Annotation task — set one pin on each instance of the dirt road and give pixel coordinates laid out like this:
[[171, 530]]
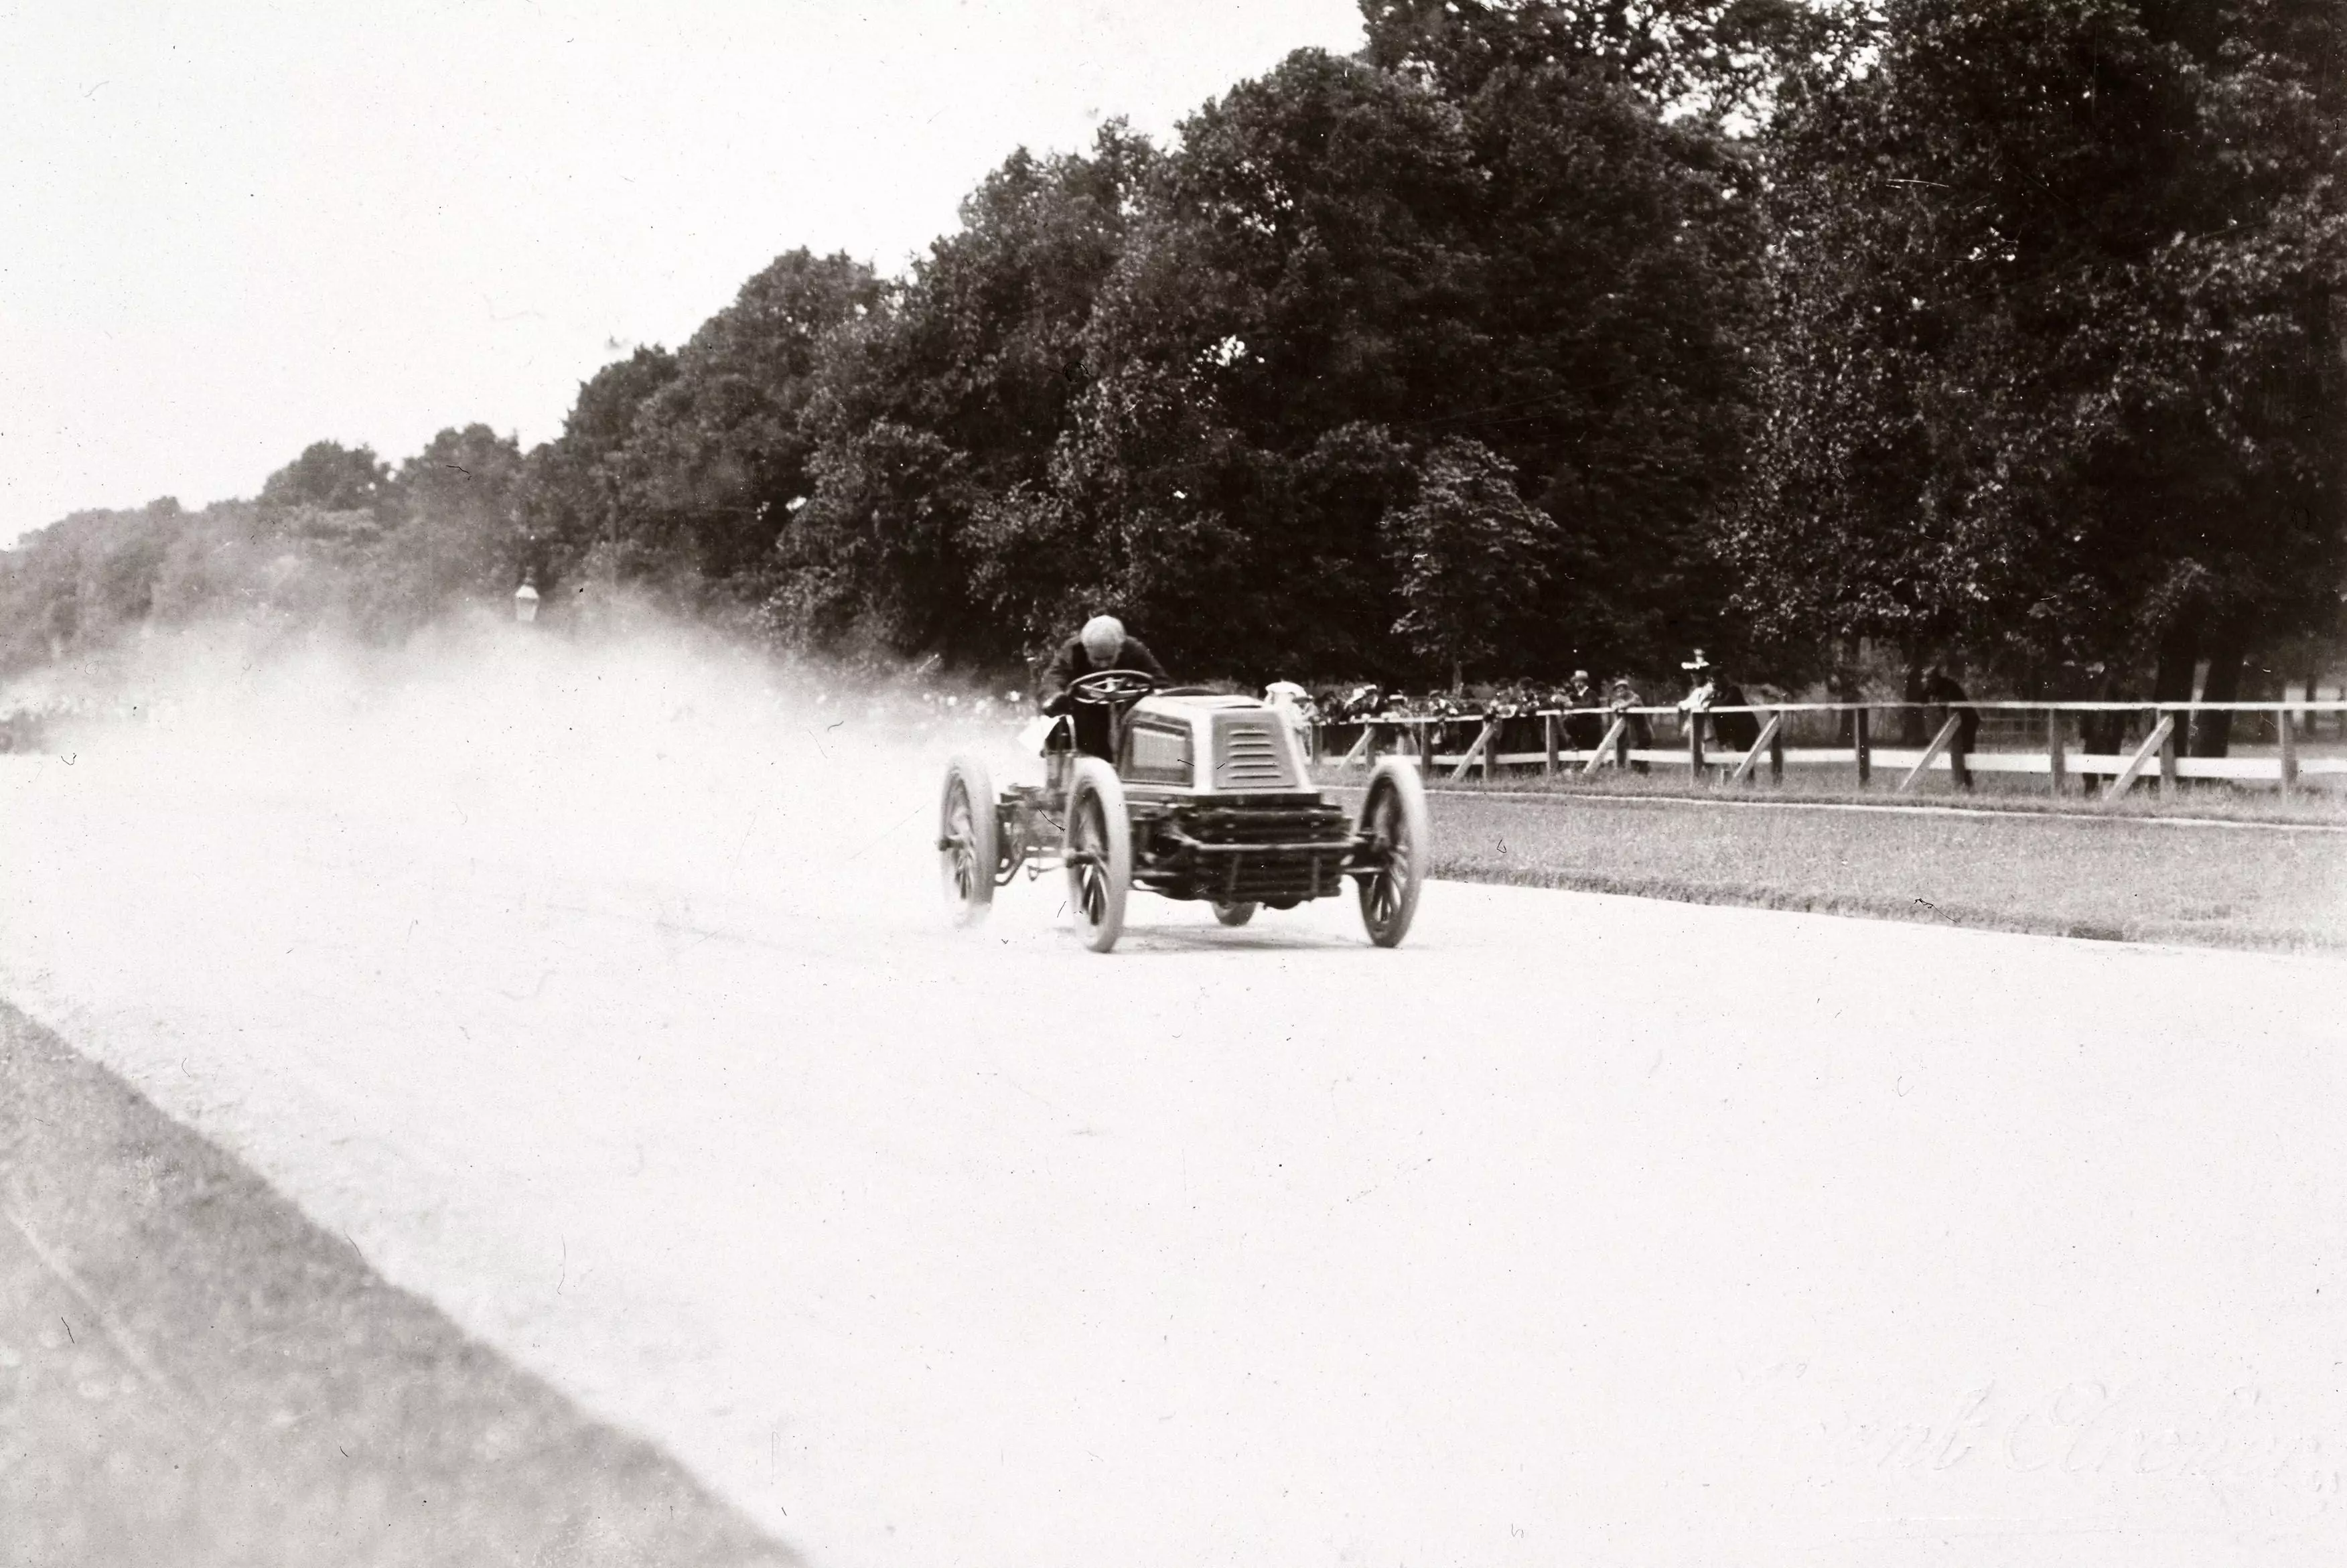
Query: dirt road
[[1580, 1229]]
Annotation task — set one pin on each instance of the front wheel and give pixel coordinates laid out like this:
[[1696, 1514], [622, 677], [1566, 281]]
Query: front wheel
[[1394, 821], [969, 841], [1099, 853], [1235, 912]]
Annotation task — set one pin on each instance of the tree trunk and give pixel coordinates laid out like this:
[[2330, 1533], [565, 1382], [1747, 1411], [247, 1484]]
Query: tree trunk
[[1911, 717], [2213, 733], [2179, 655], [1842, 685]]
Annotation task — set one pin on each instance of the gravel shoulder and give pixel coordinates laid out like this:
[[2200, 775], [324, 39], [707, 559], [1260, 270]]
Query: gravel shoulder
[[192, 1373]]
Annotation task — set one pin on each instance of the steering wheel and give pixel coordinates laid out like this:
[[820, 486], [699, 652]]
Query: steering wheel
[[1112, 688]]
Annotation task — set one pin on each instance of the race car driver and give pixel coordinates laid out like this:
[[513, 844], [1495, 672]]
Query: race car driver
[[1102, 644]]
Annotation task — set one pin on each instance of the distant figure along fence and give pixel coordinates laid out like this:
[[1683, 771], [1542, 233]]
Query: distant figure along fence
[[2106, 747]]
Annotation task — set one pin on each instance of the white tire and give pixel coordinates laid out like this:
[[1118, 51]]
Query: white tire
[[1393, 813], [969, 841], [1098, 853]]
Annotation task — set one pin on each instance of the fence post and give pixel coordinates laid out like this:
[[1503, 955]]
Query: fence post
[[1616, 740], [1694, 748], [1548, 745], [1776, 748], [1425, 746], [2057, 765], [1491, 750], [1938, 743], [1485, 740], [2160, 732], [2288, 733], [1765, 742], [2167, 759], [1858, 735]]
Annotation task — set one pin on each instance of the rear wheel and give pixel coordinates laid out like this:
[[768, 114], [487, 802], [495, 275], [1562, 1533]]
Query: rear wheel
[[1099, 853], [969, 841], [1394, 820], [1235, 912]]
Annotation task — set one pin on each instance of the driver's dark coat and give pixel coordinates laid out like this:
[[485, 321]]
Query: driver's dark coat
[[1074, 660]]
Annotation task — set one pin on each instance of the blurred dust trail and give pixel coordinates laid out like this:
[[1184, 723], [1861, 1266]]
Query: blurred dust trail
[[662, 756]]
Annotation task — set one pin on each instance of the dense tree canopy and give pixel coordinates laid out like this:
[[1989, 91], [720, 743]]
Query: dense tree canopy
[[1717, 58], [718, 454], [572, 505], [1539, 333], [330, 477], [2054, 367], [937, 416], [1339, 269]]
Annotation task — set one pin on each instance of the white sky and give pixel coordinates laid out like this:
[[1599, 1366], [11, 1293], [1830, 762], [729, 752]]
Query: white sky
[[230, 228]]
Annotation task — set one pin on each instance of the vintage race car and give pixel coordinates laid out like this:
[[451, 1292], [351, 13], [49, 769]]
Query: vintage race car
[[1207, 798]]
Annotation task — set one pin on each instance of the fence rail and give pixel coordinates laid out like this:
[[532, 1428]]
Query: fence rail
[[2108, 747]]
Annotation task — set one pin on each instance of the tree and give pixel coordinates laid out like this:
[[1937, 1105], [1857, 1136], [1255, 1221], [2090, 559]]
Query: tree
[[1621, 291], [570, 488], [2053, 371], [1302, 269], [717, 454], [865, 558], [457, 532], [1718, 59], [936, 419], [330, 477], [1471, 555], [1531, 259], [465, 478]]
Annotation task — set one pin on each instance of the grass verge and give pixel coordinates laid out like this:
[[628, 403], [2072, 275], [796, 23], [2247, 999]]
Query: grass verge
[[192, 1373], [2099, 876]]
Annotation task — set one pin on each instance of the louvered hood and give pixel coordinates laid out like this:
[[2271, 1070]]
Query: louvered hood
[[1252, 752]]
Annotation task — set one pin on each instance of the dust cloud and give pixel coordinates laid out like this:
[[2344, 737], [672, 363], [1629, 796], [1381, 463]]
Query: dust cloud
[[654, 754]]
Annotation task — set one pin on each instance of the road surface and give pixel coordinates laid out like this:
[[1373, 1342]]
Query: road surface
[[1580, 1229]]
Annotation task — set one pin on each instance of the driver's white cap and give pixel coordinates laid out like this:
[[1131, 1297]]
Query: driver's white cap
[[1102, 635]]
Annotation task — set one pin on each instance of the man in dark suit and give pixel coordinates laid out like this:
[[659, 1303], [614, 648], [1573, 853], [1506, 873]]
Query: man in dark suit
[[1102, 644], [1946, 696]]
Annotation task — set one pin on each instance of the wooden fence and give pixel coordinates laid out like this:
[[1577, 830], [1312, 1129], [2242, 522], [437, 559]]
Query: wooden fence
[[2051, 736]]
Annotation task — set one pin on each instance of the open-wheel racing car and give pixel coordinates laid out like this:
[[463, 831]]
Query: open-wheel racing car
[[1207, 798]]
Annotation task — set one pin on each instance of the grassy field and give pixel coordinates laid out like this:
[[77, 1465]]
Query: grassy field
[[2110, 875], [191, 1373]]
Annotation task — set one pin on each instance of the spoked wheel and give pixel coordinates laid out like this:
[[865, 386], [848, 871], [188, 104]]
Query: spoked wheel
[[1099, 853], [969, 841], [1235, 912], [1393, 819]]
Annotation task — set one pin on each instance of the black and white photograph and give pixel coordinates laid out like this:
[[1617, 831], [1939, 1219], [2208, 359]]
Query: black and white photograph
[[1034, 783]]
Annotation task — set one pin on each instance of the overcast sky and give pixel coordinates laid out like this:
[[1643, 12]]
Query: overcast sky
[[228, 230]]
